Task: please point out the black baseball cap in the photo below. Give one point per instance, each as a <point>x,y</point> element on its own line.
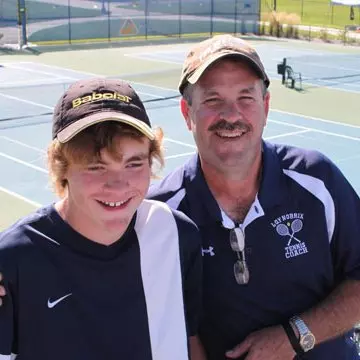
<point>91,101</point>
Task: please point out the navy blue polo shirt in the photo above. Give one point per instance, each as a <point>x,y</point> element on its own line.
<point>302,238</point>
<point>75,299</point>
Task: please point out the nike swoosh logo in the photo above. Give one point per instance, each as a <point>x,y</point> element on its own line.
<point>51,304</point>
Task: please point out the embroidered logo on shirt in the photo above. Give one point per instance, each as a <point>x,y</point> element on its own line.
<point>209,251</point>
<point>289,226</point>
<point>51,304</point>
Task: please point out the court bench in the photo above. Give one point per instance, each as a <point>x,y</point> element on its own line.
<point>289,77</point>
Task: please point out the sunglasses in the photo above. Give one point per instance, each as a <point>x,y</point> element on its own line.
<point>237,242</point>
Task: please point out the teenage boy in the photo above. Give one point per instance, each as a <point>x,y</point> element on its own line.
<point>102,273</point>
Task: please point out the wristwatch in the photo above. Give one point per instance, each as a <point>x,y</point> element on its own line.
<point>307,338</point>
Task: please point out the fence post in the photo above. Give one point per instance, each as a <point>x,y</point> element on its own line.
<point>146,10</point>
<point>235,17</point>
<point>211,17</point>
<point>69,20</point>
<point>22,22</point>
<point>109,21</point>
<point>180,18</point>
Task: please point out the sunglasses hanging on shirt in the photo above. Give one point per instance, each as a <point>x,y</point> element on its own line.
<point>237,242</point>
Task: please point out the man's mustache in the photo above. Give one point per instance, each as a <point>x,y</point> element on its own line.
<point>224,125</point>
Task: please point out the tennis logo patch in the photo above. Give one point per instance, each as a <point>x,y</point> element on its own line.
<point>289,227</point>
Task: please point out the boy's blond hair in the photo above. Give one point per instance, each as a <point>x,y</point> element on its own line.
<point>85,148</point>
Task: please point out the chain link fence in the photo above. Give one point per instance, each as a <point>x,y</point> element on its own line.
<point>80,21</point>
<point>71,21</point>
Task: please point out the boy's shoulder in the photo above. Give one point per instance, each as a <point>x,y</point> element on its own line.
<point>18,235</point>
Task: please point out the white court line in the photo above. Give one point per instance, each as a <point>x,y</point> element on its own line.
<point>179,142</point>
<point>331,88</point>
<point>26,101</point>
<point>20,197</point>
<point>44,81</point>
<point>348,158</point>
<point>287,134</point>
<point>154,59</point>
<point>12,158</point>
<point>316,130</point>
<point>179,155</point>
<point>22,144</point>
<point>35,71</point>
<point>316,118</point>
<point>350,84</point>
<point>331,67</point>
<point>65,69</point>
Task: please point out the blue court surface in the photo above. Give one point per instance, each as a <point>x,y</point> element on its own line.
<point>23,140</point>
<point>319,68</point>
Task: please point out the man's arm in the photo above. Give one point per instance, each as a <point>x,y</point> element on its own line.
<point>337,314</point>
<point>334,316</point>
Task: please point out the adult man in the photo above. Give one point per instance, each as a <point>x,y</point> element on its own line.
<point>94,276</point>
<point>280,225</point>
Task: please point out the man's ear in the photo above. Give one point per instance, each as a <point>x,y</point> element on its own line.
<point>267,104</point>
<point>185,110</point>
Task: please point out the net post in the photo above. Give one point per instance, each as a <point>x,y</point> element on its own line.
<point>21,21</point>
<point>284,73</point>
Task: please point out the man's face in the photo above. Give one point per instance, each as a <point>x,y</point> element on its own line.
<point>103,196</point>
<point>228,114</point>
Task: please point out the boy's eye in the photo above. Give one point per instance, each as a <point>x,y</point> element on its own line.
<point>246,98</point>
<point>95,168</point>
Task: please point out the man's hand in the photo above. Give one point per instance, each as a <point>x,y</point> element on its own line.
<point>267,344</point>
<point>2,290</point>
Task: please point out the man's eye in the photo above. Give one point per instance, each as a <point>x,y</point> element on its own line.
<point>135,164</point>
<point>212,101</point>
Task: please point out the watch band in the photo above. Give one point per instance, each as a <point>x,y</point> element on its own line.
<point>294,341</point>
<point>300,325</point>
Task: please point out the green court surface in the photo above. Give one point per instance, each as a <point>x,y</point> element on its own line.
<point>324,115</point>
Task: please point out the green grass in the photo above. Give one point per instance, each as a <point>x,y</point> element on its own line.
<point>316,13</point>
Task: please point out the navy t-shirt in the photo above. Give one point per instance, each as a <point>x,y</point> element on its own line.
<point>75,299</point>
<point>302,238</point>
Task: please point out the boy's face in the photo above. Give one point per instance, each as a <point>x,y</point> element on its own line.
<point>103,196</point>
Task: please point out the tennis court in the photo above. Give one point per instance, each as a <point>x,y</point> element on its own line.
<point>30,87</point>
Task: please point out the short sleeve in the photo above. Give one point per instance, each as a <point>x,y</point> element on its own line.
<point>345,243</point>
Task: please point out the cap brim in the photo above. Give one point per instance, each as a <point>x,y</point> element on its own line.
<point>73,129</point>
<point>200,70</point>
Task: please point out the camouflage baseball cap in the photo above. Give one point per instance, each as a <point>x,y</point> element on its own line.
<point>205,53</point>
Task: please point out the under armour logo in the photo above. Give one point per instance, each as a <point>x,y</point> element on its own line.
<point>209,251</point>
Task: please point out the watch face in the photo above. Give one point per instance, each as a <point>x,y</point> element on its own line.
<point>307,342</point>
